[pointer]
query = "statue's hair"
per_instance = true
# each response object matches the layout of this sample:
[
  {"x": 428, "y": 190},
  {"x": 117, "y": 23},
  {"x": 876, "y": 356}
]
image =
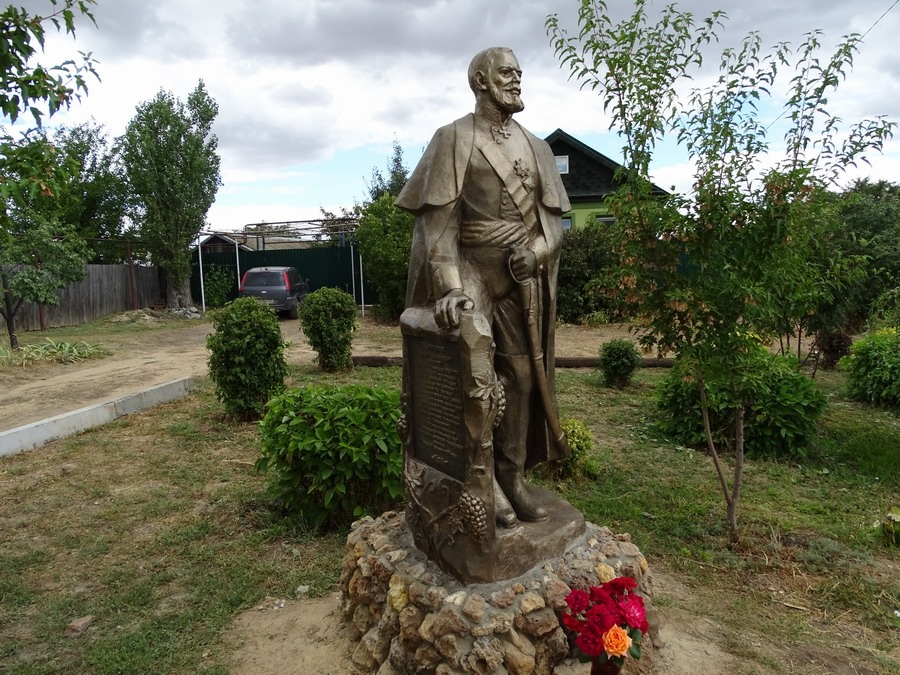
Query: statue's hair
[{"x": 482, "y": 62}]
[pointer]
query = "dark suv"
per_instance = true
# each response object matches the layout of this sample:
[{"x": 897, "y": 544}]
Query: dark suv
[{"x": 281, "y": 288}]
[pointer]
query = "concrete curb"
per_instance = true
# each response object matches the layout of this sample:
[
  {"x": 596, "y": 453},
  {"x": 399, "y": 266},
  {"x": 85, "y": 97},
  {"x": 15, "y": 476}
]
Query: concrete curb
[{"x": 36, "y": 434}]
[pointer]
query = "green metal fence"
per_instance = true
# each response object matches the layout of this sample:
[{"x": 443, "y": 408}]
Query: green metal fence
[{"x": 332, "y": 266}]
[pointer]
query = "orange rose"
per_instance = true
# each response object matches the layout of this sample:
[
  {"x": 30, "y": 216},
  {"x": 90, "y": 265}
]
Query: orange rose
[{"x": 616, "y": 641}]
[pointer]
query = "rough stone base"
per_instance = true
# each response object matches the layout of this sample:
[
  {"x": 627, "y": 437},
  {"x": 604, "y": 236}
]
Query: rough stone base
[{"x": 410, "y": 617}]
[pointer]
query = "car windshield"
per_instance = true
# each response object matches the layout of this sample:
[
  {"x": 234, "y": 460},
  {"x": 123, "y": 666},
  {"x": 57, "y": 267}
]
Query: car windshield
[{"x": 265, "y": 279}]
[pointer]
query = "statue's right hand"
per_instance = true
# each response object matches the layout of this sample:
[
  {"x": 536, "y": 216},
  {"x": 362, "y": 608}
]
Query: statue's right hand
[{"x": 447, "y": 309}]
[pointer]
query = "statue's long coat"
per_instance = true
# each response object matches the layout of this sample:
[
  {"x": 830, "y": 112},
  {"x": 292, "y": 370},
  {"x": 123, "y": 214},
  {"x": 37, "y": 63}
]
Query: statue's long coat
[{"x": 432, "y": 195}]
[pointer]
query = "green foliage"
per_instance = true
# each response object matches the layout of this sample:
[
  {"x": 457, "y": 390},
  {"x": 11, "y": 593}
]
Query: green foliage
[
  {"x": 594, "y": 319},
  {"x": 172, "y": 164},
  {"x": 61, "y": 352},
  {"x": 246, "y": 357},
  {"x": 890, "y": 527},
  {"x": 334, "y": 452},
  {"x": 580, "y": 463},
  {"x": 885, "y": 311},
  {"x": 870, "y": 220},
  {"x": 96, "y": 199},
  {"x": 218, "y": 284},
  {"x": 619, "y": 359},
  {"x": 40, "y": 257},
  {"x": 385, "y": 238},
  {"x": 741, "y": 250},
  {"x": 873, "y": 368},
  {"x": 25, "y": 86},
  {"x": 328, "y": 319},
  {"x": 833, "y": 346},
  {"x": 781, "y": 404},
  {"x": 587, "y": 254}
]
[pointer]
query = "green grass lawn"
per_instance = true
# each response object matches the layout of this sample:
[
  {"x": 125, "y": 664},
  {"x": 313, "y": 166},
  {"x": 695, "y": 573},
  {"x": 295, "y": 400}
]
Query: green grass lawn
[{"x": 158, "y": 526}]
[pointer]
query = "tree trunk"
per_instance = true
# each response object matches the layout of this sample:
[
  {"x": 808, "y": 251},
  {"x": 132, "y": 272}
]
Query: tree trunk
[
  {"x": 179, "y": 296},
  {"x": 9, "y": 312}
]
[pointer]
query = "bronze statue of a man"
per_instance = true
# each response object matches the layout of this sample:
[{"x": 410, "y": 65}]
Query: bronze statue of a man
[{"x": 488, "y": 200}]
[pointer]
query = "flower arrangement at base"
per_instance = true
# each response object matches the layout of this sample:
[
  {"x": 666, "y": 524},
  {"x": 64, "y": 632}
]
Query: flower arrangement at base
[{"x": 608, "y": 622}]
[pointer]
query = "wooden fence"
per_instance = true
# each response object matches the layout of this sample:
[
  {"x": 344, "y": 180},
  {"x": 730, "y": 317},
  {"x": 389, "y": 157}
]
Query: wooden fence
[{"x": 105, "y": 289}]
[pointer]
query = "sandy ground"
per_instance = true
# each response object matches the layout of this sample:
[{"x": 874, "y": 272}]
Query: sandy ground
[{"x": 305, "y": 637}]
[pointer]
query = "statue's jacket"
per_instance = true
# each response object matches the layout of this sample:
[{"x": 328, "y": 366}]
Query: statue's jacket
[{"x": 433, "y": 193}]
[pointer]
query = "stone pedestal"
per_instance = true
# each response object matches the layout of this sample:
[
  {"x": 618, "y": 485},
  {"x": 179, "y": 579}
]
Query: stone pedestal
[{"x": 409, "y": 616}]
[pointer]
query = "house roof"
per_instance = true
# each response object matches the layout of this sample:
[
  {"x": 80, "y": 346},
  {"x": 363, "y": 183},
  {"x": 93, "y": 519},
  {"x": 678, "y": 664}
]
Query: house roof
[
  {"x": 593, "y": 176},
  {"x": 221, "y": 238}
]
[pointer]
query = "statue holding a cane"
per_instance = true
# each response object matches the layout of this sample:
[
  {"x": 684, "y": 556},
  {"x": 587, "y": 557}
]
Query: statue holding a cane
[{"x": 488, "y": 201}]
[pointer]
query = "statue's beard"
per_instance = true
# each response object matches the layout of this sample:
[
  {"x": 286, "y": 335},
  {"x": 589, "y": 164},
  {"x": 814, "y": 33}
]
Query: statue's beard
[{"x": 509, "y": 102}]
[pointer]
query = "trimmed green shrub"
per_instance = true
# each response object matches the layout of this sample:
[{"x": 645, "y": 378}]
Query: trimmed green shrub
[
  {"x": 618, "y": 360},
  {"x": 218, "y": 282},
  {"x": 246, "y": 357},
  {"x": 328, "y": 319},
  {"x": 873, "y": 368},
  {"x": 333, "y": 452},
  {"x": 780, "y": 418},
  {"x": 580, "y": 463}
]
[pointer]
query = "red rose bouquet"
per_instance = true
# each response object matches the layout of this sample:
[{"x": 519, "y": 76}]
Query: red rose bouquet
[{"x": 608, "y": 621}]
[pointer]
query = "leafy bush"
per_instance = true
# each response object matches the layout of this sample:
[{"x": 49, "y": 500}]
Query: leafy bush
[
  {"x": 873, "y": 367},
  {"x": 833, "y": 346},
  {"x": 218, "y": 282},
  {"x": 580, "y": 463},
  {"x": 328, "y": 319},
  {"x": 246, "y": 359},
  {"x": 333, "y": 452},
  {"x": 783, "y": 406},
  {"x": 618, "y": 360},
  {"x": 586, "y": 255}
]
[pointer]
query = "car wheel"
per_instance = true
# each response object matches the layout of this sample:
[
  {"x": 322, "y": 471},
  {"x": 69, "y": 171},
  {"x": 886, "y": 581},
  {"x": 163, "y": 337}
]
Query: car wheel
[{"x": 294, "y": 312}]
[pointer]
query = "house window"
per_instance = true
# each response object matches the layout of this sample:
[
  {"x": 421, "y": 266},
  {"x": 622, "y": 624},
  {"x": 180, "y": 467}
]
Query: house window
[
  {"x": 567, "y": 224},
  {"x": 562, "y": 163}
]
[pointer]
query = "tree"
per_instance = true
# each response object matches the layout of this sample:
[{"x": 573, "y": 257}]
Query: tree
[
  {"x": 40, "y": 254},
  {"x": 96, "y": 201},
  {"x": 384, "y": 235},
  {"x": 704, "y": 272},
  {"x": 385, "y": 238},
  {"x": 172, "y": 165},
  {"x": 587, "y": 255}
]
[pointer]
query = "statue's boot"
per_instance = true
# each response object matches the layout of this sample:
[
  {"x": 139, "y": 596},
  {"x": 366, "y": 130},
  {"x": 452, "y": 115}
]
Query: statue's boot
[
  {"x": 511, "y": 437},
  {"x": 504, "y": 514},
  {"x": 525, "y": 504}
]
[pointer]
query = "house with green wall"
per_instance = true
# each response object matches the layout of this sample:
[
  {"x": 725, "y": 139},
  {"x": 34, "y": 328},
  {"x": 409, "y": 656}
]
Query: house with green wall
[{"x": 588, "y": 176}]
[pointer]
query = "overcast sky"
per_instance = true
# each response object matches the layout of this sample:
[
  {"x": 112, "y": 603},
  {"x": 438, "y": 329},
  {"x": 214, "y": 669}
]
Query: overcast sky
[{"x": 312, "y": 93}]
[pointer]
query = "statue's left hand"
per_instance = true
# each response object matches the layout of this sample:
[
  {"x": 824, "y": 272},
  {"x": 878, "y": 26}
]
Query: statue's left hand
[{"x": 522, "y": 264}]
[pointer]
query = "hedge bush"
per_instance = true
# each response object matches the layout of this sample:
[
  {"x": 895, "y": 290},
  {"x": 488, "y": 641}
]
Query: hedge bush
[
  {"x": 333, "y": 452},
  {"x": 328, "y": 319},
  {"x": 581, "y": 462},
  {"x": 873, "y": 368},
  {"x": 587, "y": 253},
  {"x": 780, "y": 419},
  {"x": 618, "y": 360},
  {"x": 218, "y": 283},
  {"x": 246, "y": 357}
]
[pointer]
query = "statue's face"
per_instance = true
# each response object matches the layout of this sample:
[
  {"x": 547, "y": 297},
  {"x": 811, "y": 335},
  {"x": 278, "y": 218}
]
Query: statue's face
[{"x": 504, "y": 82}]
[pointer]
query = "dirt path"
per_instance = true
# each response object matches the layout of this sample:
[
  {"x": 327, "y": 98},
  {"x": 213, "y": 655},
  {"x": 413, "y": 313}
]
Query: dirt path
[{"x": 142, "y": 359}]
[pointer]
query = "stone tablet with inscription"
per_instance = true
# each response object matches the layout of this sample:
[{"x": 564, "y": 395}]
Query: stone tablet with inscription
[{"x": 452, "y": 402}]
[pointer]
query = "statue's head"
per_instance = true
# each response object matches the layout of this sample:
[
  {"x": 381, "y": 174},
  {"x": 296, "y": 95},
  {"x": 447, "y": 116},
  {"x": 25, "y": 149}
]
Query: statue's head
[{"x": 496, "y": 78}]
